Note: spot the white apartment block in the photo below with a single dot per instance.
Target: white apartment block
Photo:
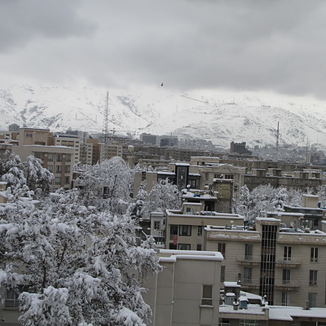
(186, 292)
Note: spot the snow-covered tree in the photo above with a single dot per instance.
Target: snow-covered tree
(111, 180)
(137, 209)
(36, 175)
(12, 171)
(164, 195)
(77, 266)
(264, 198)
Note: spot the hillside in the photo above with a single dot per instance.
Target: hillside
(213, 115)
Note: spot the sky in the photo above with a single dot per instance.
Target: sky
(241, 45)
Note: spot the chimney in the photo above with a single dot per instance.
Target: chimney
(235, 304)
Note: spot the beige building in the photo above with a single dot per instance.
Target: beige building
(86, 153)
(57, 159)
(286, 264)
(184, 228)
(34, 136)
(69, 141)
(186, 291)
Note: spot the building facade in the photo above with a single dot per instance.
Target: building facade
(287, 265)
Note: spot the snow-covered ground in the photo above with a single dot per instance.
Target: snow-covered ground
(216, 115)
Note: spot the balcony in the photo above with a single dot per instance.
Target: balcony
(249, 284)
(248, 261)
(288, 264)
(158, 233)
(287, 285)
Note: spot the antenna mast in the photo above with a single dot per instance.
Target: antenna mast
(106, 120)
(277, 139)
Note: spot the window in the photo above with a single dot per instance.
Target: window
(247, 275)
(312, 277)
(58, 169)
(67, 168)
(184, 246)
(248, 251)
(222, 278)
(200, 231)
(285, 298)
(172, 246)
(287, 254)
(185, 230)
(57, 180)
(248, 322)
(312, 299)
(207, 298)
(199, 247)
(11, 298)
(143, 176)
(314, 255)
(229, 176)
(221, 248)
(188, 209)
(173, 230)
(67, 180)
(157, 225)
(193, 184)
(286, 276)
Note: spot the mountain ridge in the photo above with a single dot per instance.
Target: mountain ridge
(218, 116)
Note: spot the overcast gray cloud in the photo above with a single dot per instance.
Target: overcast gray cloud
(238, 44)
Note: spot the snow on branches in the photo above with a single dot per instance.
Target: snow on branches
(252, 204)
(18, 174)
(111, 180)
(76, 265)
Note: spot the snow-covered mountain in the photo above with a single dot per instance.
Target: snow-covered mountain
(219, 116)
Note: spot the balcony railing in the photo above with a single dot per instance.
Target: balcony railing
(288, 263)
(287, 285)
(248, 261)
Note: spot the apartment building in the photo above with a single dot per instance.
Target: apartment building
(184, 228)
(285, 264)
(35, 136)
(72, 141)
(57, 159)
(186, 291)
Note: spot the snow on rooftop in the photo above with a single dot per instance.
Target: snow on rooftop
(165, 172)
(182, 164)
(190, 203)
(199, 196)
(229, 284)
(268, 219)
(282, 213)
(191, 254)
(289, 312)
